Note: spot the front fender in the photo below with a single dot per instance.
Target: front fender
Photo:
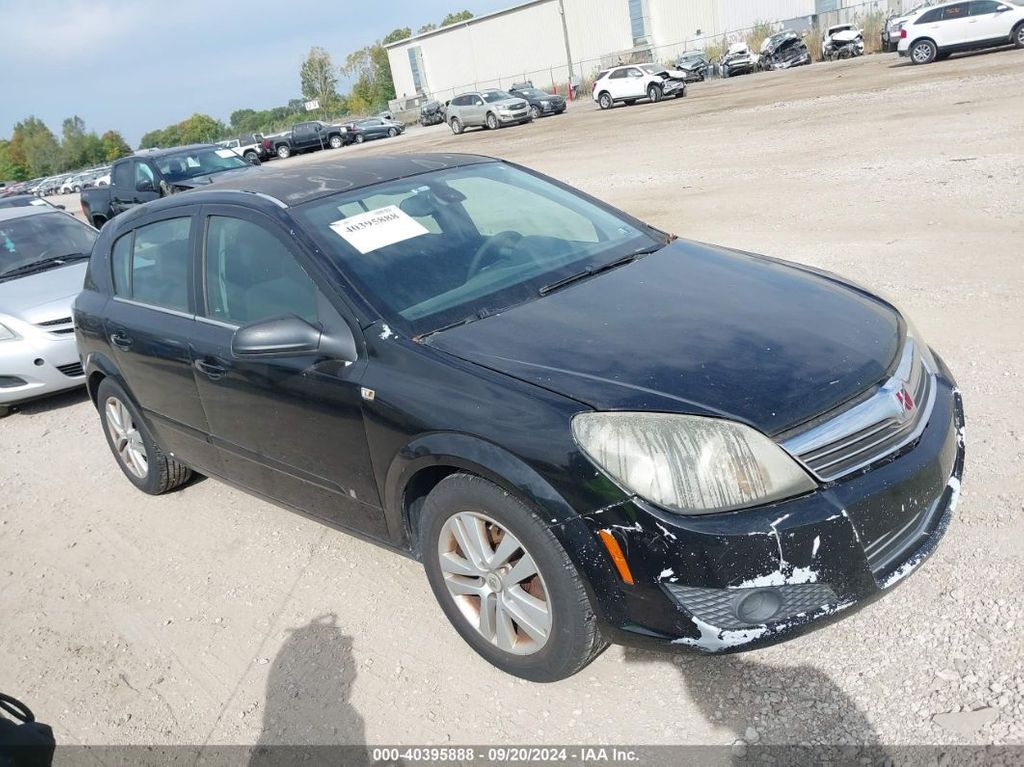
(483, 458)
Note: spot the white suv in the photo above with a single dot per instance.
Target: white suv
(633, 82)
(935, 33)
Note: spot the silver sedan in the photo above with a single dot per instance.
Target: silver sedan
(43, 258)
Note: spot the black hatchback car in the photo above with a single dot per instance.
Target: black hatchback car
(587, 429)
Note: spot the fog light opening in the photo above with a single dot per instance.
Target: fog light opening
(759, 606)
(38, 362)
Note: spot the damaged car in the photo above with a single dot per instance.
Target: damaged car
(694, 65)
(784, 50)
(431, 113)
(587, 429)
(842, 41)
(738, 60)
(629, 84)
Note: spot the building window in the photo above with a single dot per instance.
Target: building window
(638, 21)
(416, 65)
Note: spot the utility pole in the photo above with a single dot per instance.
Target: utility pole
(568, 53)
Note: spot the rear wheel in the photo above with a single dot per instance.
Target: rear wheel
(456, 125)
(923, 52)
(492, 121)
(284, 151)
(605, 101)
(654, 93)
(1018, 35)
(137, 454)
(505, 582)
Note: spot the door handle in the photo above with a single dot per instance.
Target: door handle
(121, 340)
(211, 370)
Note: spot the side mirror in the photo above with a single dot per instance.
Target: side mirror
(145, 185)
(290, 336)
(1001, 8)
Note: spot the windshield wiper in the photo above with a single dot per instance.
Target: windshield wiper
(480, 315)
(45, 263)
(590, 271)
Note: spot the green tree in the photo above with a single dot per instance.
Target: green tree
(150, 140)
(9, 169)
(114, 146)
(199, 129)
(34, 148)
(373, 87)
(319, 80)
(456, 17)
(426, 28)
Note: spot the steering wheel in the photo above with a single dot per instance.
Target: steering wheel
(486, 251)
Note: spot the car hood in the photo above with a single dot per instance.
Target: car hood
(695, 329)
(43, 296)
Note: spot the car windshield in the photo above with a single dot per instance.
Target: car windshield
(30, 239)
(198, 162)
(491, 96)
(535, 93)
(447, 246)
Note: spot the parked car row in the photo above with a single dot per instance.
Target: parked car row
(315, 135)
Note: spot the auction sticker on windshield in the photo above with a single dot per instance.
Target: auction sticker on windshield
(378, 228)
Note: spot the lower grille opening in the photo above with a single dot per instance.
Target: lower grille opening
(10, 382)
(743, 608)
(74, 370)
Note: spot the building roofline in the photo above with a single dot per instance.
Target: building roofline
(466, 23)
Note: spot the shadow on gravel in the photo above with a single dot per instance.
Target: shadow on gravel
(308, 707)
(64, 399)
(773, 708)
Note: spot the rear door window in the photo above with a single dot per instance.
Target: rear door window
(160, 257)
(122, 175)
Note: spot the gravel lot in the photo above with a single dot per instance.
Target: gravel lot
(206, 616)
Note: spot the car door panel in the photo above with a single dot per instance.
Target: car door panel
(989, 25)
(151, 348)
(290, 428)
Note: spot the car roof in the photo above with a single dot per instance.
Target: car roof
(296, 184)
(6, 214)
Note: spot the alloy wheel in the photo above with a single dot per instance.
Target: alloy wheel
(922, 53)
(128, 444)
(495, 583)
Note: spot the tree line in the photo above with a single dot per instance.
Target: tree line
(33, 150)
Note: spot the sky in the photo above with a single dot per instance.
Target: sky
(137, 65)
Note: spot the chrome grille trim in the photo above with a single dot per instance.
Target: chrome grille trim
(872, 429)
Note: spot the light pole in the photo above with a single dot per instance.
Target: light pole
(568, 52)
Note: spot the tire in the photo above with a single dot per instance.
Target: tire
(571, 639)
(604, 100)
(456, 126)
(137, 454)
(360, 138)
(77, 189)
(923, 52)
(392, 132)
(654, 94)
(1017, 36)
(492, 121)
(251, 157)
(335, 142)
(284, 151)
(534, 112)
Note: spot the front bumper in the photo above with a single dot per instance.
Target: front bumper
(816, 558)
(510, 118)
(37, 364)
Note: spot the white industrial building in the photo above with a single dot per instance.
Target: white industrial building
(537, 40)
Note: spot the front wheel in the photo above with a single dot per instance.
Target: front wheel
(360, 138)
(534, 112)
(137, 454)
(654, 93)
(505, 582)
(923, 52)
(492, 121)
(284, 152)
(1018, 35)
(604, 101)
(456, 125)
(392, 132)
(335, 142)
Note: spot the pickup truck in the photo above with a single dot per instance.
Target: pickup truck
(306, 137)
(150, 175)
(249, 146)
